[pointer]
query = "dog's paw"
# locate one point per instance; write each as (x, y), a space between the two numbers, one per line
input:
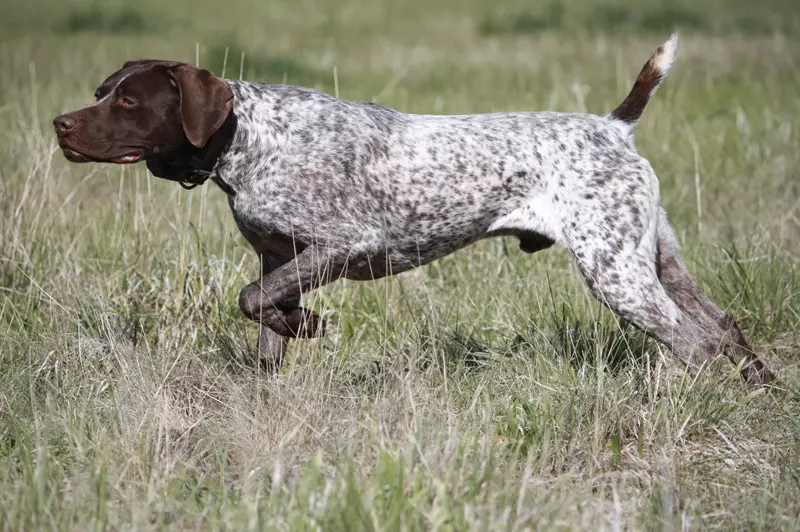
(297, 323)
(756, 373)
(306, 323)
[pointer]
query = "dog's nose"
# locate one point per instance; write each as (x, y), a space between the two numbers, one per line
(63, 123)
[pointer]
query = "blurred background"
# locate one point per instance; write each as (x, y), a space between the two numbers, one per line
(487, 390)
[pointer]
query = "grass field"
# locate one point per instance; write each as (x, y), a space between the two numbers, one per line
(486, 391)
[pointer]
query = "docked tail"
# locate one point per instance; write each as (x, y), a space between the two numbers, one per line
(651, 76)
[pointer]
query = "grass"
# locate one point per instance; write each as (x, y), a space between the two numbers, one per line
(486, 391)
(719, 17)
(256, 66)
(97, 19)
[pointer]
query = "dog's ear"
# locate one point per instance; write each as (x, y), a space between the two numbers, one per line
(206, 101)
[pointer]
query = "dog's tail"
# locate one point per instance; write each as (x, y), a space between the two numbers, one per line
(651, 76)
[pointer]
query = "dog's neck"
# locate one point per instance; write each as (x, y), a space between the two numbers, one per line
(257, 131)
(266, 115)
(193, 166)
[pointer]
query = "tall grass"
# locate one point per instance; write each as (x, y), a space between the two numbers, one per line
(486, 391)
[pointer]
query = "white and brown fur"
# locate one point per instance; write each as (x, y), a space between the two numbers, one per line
(325, 188)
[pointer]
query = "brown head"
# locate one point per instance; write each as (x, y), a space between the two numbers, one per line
(147, 110)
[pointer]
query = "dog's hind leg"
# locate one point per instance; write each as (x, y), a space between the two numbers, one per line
(682, 289)
(627, 283)
(615, 240)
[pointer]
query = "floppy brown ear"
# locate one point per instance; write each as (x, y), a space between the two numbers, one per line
(206, 101)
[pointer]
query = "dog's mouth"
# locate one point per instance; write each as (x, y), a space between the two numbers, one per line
(127, 157)
(74, 156)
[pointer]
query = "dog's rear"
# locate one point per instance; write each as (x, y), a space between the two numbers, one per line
(671, 272)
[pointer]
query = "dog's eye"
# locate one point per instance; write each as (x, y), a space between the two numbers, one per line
(127, 101)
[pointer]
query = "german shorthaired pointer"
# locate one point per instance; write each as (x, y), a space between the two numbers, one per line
(324, 188)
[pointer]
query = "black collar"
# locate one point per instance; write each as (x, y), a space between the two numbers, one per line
(194, 166)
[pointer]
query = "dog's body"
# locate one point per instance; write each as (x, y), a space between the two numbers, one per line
(377, 182)
(324, 188)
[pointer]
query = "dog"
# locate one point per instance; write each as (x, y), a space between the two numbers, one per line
(324, 188)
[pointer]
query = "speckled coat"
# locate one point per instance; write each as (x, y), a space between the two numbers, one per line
(367, 180)
(324, 188)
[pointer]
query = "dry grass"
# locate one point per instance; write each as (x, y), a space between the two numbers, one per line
(486, 391)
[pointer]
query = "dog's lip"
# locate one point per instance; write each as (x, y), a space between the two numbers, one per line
(128, 157)
(74, 155)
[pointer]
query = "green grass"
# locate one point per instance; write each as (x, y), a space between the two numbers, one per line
(719, 17)
(486, 391)
(98, 20)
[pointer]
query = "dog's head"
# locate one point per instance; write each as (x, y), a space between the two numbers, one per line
(149, 109)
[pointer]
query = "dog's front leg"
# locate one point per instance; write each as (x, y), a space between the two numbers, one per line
(274, 300)
(271, 345)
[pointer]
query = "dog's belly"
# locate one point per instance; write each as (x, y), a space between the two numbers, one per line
(396, 229)
(374, 246)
